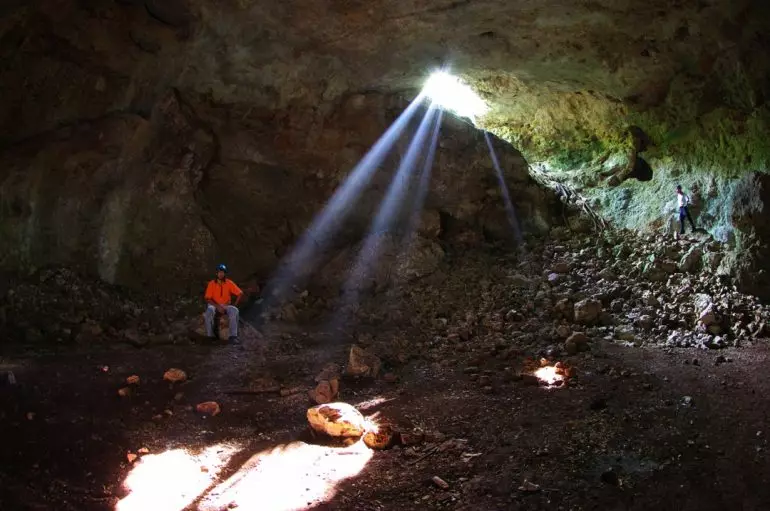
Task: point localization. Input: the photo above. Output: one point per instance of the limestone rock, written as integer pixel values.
(691, 260)
(210, 408)
(325, 392)
(380, 437)
(174, 375)
(337, 420)
(587, 311)
(362, 363)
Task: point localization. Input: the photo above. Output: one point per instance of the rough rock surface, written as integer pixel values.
(121, 117)
(104, 196)
(337, 420)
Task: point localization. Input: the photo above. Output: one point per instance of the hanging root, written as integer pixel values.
(569, 198)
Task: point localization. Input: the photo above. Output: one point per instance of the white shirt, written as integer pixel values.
(683, 199)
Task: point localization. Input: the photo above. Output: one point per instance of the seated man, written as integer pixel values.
(218, 295)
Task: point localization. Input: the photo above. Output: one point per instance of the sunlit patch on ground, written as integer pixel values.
(288, 477)
(171, 480)
(549, 375)
(371, 403)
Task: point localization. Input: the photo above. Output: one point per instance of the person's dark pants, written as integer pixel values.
(684, 212)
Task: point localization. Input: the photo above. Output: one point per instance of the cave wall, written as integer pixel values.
(156, 201)
(273, 102)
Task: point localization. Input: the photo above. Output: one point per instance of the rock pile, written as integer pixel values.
(58, 305)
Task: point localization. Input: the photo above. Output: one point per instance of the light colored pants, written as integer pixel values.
(232, 314)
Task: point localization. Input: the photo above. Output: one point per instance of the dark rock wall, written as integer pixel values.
(156, 201)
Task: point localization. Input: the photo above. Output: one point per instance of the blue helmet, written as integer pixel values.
(222, 267)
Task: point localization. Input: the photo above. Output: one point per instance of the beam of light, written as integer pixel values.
(289, 477)
(172, 480)
(450, 93)
(329, 221)
(423, 185)
(509, 209)
(388, 211)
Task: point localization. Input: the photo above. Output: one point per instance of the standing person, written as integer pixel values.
(684, 209)
(219, 293)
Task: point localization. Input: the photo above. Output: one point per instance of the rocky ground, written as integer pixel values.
(602, 371)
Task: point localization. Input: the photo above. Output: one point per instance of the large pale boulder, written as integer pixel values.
(337, 420)
(363, 363)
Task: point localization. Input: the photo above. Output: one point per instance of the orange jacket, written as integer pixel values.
(221, 292)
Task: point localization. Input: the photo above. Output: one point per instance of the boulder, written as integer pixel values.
(362, 363)
(325, 391)
(337, 420)
(576, 342)
(587, 311)
(691, 261)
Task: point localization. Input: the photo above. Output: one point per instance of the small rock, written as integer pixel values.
(325, 392)
(380, 438)
(132, 380)
(561, 267)
(208, 408)
(529, 487)
(363, 363)
(440, 482)
(124, 392)
(131, 457)
(174, 375)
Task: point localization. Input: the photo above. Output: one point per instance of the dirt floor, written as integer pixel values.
(636, 427)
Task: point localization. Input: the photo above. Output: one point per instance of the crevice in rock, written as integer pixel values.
(641, 170)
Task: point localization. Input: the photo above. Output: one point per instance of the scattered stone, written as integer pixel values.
(325, 392)
(124, 392)
(175, 375)
(587, 311)
(529, 487)
(561, 267)
(337, 420)
(131, 457)
(210, 408)
(362, 363)
(440, 482)
(380, 438)
(132, 380)
(576, 342)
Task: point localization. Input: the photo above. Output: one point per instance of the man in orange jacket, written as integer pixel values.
(219, 293)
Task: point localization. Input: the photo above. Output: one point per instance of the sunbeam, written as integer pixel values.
(383, 220)
(510, 211)
(328, 222)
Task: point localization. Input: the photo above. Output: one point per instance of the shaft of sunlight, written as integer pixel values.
(328, 222)
(510, 211)
(386, 214)
(425, 174)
